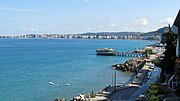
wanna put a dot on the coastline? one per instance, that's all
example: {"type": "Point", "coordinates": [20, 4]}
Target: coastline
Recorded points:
{"type": "Point", "coordinates": [133, 85]}
{"type": "Point", "coordinates": [140, 81]}
{"type": "Point", "coordinates": [38, 50]}
{"type": "Point", "coordinates": [108, 90]}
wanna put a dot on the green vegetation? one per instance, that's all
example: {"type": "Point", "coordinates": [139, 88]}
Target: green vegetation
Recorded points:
{"type": "Point", "coordinates": [148, 51]}
{"type": "Point", "coordinates": [157, 62]}
{"type": "Point", "coordinates": [152, 98]}
{"type": "Point", "coordinates": [153, 93]}
{"type": "Point", "coordinates": [168, 63]}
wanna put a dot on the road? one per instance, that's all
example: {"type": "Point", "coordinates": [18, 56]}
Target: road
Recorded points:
{"type": "Point", "coordinates": [122, 94]}
{"type": "Point", "coordinates": [132, 92]}
{"type": "Point", "coordinates": [154, 77]}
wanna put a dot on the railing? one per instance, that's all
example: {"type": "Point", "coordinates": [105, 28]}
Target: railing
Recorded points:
{"type": "Point", "coordinates": [129, 54]}
{"type": "Point", "coordinates": [173, 82]}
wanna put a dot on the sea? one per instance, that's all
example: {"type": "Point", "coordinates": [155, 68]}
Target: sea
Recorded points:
{"type": "Point", "coordinates": [28, 65]}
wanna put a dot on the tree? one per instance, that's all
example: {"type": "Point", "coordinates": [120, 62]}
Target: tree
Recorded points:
{"type": "Point", "coordinates": [148, 51]}
{"type": "Point", "coordinates": [157, 62]}
{"type": "Point", "coordinates": [168, 63]}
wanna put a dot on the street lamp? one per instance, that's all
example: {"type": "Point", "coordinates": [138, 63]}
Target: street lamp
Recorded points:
{"type": "Point", "coordinates": [115, 80]}
{"type": "Point", "coordinates": [58, 86]}
{"type": "Point", "coordinates": [114, 77]}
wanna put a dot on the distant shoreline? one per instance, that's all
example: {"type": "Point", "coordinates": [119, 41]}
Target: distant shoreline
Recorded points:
{"type": "Point", "coordinates": [153, 35]}
{"type": "Point", "coordinates": [78, 39]}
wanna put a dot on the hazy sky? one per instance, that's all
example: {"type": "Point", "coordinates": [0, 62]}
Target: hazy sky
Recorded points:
{"type": "Point", "coordinates": [19, 17]}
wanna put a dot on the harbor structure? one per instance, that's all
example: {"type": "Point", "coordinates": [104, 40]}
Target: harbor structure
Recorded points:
{"type": "Point", "coordinates": [106, 51]}
{"type": "Point", "coordinates": [113, 52]}
{"type": "Point", "coordinates": [129, 54]}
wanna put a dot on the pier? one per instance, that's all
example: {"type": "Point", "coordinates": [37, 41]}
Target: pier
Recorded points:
{"type": "Point", "coordinates": [113, 52]}
{"type": "Point", "coordinates": [129, 54]}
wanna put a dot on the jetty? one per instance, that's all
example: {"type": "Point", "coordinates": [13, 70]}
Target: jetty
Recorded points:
{"type": "Point", "coordinates": [130, 54]}
{"type": "Point", "coordinates": [113, 52]}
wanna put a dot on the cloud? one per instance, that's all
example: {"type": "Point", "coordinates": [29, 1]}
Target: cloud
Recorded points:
{"type": "Point", "coordinates": [32, 29]}
{"type": "Point", "coordinates": [112, 25]}
{"type": "Point", "coordinates": [19, 9]}
{"type": "Point", "coordinates": [87, 1]}
{"type": "Point", "coordinates": [88, 29]}
{"type": "Point", "coordinates": [29, 29]}
{"type": "Point", "coordinates": [167, 20]}
{"type": "Point", "coordinates": [142, 22]}
{"type": "Point", "coordinates": [128, 28]}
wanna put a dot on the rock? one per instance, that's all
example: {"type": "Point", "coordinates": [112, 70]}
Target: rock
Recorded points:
{"type": "Point", "coordinates": [131, 65]}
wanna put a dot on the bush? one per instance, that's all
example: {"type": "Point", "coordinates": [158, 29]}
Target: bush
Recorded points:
{"type": "Point", "coordinates": [157, 62]}
{"type": "Point", "coordinates": [147, 52]}
{"type": "Point", "coordinates": [153, 98]}
{"type": "Point", "coordinates": [152, 92]}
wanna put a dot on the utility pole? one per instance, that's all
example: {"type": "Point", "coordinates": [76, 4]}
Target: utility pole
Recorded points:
{"type": "Point", "coordinates": [114, 80]}
{"type": "Point", "coordinates": [112, 77]}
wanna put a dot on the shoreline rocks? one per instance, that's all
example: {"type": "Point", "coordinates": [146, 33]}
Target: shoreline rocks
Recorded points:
{"type": "Point", "coordinates": [131, 65]}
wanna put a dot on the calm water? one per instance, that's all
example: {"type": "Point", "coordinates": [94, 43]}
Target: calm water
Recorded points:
{"type": "Point", "coordinates": [27, 65]}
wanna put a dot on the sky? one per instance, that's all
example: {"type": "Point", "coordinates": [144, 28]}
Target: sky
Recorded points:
{"type": "Point", "coordinates": [20, 17]}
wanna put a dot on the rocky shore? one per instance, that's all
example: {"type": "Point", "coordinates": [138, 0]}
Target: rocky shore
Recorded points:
{"type": "Point", "coordinates": [131, 65]}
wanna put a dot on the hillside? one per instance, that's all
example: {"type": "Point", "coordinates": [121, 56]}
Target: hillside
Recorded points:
{"type": "Point", "coordinates": [113, 33]}
{"type": "Point", "coordinates": [152, 33]}
{"type": "Point", "coordinates": [155, 33]}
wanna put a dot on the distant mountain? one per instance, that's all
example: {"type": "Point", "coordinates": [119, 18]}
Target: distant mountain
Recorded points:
{"type": "Point", "coordinates": [152, 33]}
{"type": "Point", "coordinates": [155, 33]}
{"type": "Point", "coordinates": [112, 33]}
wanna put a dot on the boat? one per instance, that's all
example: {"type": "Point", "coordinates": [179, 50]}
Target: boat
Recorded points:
{"type": "Point", "coordinates": [105, 51]}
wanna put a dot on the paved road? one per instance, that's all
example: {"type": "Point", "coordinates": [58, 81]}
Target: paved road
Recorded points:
{"type": "Point", "coordinates": [123, 94]}
{"type": "Point", "coordinates": [155, 73]}
{"type": "Point", "coordinates": [131, 93]}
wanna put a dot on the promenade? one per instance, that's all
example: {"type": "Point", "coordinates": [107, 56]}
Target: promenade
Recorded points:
{"type": "Point", "coordinates": [138, 84]}
{"type": "Point", "coordinates": [137, 87]}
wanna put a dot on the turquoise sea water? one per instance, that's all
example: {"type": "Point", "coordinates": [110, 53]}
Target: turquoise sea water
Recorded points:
{"type": "Point", "coordinates": [27, 65]}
